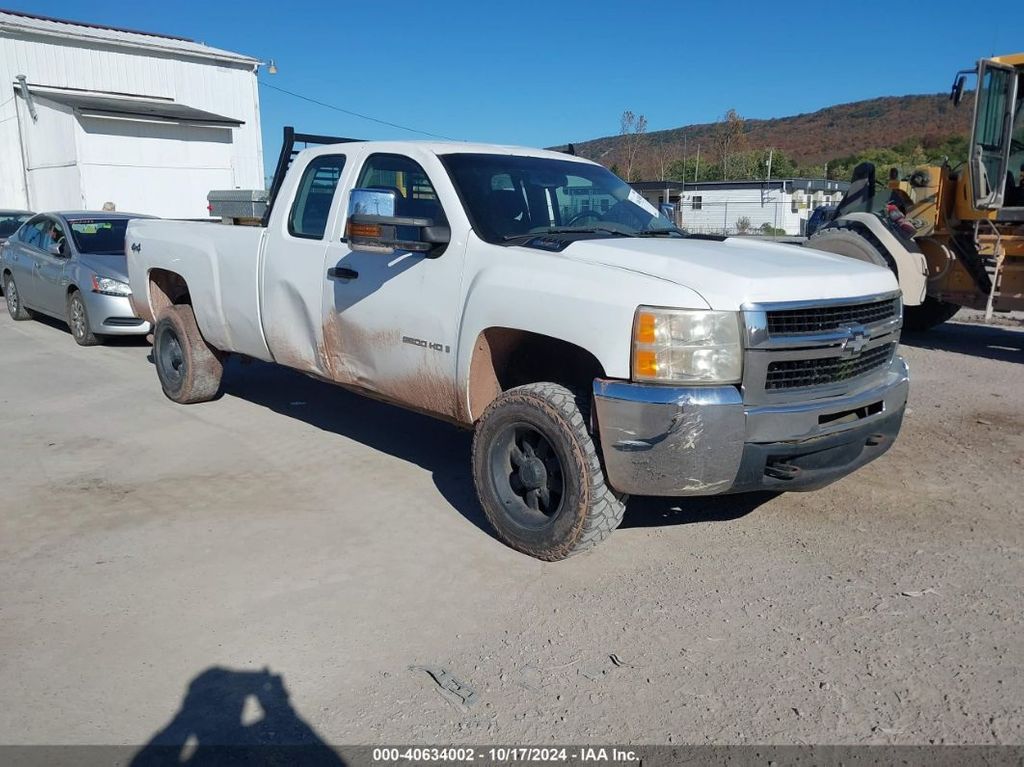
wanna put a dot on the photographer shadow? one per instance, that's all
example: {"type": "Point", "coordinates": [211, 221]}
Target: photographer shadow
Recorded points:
{"type": "Point", "coordinates": [236, 717]}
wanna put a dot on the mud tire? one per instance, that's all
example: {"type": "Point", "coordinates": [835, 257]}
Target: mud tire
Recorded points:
{"type": "Point", "coordinates": [189, 369]}
{"type": "Point", "coordinates": [588, 511]}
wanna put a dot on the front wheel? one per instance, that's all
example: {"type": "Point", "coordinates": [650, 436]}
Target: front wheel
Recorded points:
{"type": "Point", "coordinates": [189, 369]}
{"type": "Point", "coordinates": [78, 321]}
{"type": "Point", "coordinates": [538, 475]}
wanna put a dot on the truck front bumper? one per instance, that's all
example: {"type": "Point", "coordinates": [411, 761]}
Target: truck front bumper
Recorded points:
{"type": "Point", "coordinates": [699, 440]}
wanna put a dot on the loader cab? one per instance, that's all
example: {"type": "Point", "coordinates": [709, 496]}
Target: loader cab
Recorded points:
{"type": "Point", "coordinates": [995, 174]}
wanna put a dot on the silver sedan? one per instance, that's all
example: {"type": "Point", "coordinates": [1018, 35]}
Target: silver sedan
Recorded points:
{"type": "Point", "coordinates": [72, 266]}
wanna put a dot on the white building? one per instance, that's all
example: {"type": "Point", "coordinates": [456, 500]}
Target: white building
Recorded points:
{"type": "Point", "coordinates": [96, 114]}
{"type": "Point", "coordinates": [731, 207]}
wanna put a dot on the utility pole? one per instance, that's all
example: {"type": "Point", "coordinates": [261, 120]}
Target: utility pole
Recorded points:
{"type": "Point", "coordinates": [696, 168]}
{"type": "Point", "coordinates": [684, 172]}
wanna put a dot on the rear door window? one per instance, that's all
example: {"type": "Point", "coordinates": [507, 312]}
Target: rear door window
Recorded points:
{"type": "Point", "coordinates": [36, 232]}
{"type": "Point", "coordinates": [312, 205]}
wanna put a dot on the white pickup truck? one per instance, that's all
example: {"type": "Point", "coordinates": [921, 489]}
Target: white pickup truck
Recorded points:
{"type": "Point", "coordinates": [596, 350]}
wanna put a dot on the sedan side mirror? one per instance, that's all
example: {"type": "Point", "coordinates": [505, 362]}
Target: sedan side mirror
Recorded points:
{"type": "Point", "coordinates": [372, 226]}
{"type": "Point", "coordinates": [55, 249]}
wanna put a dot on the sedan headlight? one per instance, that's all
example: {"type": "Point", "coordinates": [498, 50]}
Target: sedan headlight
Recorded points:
{"type": "Point", "coordinates": [110, 287]}
{"type": "Point", "coordinates": [686, 346]}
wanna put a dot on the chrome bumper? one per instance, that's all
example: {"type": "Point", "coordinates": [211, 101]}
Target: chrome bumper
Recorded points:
{"type": "Point", "coordinates": [698, 440]}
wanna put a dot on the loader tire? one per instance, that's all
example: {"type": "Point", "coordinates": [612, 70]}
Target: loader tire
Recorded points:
{"type": "Point", "coordinates": [538, 474]}
{"type": "Point", "coordinates": [929, 314]}
{"type": "Point", "coordinates": [189, 369]}
{"type": "Point", "coordinates": [847, 242]}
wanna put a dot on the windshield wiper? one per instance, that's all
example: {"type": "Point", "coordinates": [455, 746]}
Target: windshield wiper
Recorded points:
{"type": "Point", "coordinates": [660, 232]}
{"type": "Point", "coordinates": [569, 230]}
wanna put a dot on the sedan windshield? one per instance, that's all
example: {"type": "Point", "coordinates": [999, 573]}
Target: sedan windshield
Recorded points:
{"type": "Point", "coordinates": [99, 236]}
{"type": "Point", "coordinates": [510, 198]}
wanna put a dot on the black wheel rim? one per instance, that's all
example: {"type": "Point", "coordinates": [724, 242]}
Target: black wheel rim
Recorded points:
{"type": "Point", "coordinates": [77, 318]}
{"type": "Point", "coordinates": [11, 290]}
{"type": "Point", "coordinates": [527, 474]}
{"type": "Point", "coordinates": [170, 359]}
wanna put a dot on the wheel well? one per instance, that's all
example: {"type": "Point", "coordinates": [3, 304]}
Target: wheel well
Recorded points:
{"type": "Point", "coordinates": [166, 289]}
{"type": "Point", "coordinates": [504, 358]}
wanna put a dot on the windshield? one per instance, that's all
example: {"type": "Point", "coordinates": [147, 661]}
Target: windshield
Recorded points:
{"type": "Point", "coordinates": [99, 236]}
{"type": "Point", "coordinates": [509, 198]}
{"type": "Point", "coordinates": [9, 223]}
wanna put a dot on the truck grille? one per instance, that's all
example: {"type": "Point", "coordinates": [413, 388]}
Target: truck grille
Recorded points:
{"type": "Point", "coordinates": [825, 318]}
{"type": "Point", "coordinates": [797, 374]}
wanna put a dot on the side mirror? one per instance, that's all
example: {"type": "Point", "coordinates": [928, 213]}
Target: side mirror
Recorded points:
{"type": "Point", "coordinates": [957, 93]}
{"type": "Point", "coordinates": [372, 225]}
{"type": "Point", "coordinates": [54, 249]}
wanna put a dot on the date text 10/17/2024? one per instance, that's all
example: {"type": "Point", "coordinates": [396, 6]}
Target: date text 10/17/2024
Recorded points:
{"type": "Point", "coordinates": [505, 754]}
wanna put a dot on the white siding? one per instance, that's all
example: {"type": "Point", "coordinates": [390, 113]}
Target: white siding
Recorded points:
{"type": "Point", "coordinates": [179, 162]}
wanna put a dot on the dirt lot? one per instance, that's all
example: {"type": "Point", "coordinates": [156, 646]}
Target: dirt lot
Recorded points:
{"type": "Point", "coordinates": [336, 542]}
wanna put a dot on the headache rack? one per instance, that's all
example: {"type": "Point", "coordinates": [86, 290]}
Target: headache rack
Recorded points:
{"type": "Point", "coordinates": [288, 152]}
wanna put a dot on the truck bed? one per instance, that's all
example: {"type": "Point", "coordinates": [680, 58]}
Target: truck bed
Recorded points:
{"type": "Point", "coordinates": [220, 264]}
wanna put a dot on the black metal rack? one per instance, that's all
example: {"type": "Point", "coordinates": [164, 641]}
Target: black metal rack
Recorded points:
{"type": "Point", "coordinates": [288, 152]}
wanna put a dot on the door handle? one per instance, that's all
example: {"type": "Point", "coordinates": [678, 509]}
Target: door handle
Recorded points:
{"type": "Point", "coordinates": [342, 273]}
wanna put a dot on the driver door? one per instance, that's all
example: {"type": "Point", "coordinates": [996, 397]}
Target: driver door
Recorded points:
{"type": "Point", "coordinates": [993, 123]}
{"type": "Point", "coordinates": [391, 319]}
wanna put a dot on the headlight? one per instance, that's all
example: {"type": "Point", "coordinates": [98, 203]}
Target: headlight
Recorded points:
{"type": "Point", "coordinates": [110, 287]}
{"type": "Point", "coordinates": [686, 346]}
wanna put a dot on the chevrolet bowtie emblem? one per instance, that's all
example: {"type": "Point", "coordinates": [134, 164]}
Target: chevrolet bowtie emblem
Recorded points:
{"type": "Point", "coordinates": [855, 341]}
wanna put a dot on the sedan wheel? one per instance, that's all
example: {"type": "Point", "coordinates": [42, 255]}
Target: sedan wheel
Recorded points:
{"type": "Point", "coordinates": [78, 321]}
{"type": "Point", "coordinates": [16, 309]}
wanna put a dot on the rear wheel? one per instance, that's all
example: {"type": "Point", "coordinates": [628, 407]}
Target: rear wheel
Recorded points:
{"type": "Point", "coordinates": [189, 369]}
{"type": "Point", "coordinates": [15, 307]}
{"type": "Point", "coordinates": [929, 314]}
{"type": "Point", "coordinates": [538, 475]}
{"type": "Point", "coordinates": [78, 321]}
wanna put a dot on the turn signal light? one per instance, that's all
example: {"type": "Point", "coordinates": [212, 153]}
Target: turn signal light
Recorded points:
{"type": "Point", "coordinates": [367, 231]}
{"type": "Point", "coordinates": [645, 364]}
{"type": "Point", "coordinates": [646, 324]}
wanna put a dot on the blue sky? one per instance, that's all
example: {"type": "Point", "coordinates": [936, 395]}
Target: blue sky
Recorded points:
{"type": "Point", "coordinates": [543, 73]}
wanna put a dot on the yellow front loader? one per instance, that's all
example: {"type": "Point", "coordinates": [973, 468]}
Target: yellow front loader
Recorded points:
{"type": "Point", "coordinates": [954, 236]}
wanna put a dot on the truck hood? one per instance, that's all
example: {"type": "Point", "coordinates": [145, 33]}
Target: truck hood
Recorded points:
{"type": "Point", "coordinates": [737, 271]}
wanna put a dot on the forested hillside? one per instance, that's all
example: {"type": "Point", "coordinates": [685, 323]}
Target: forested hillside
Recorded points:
{"type": "Point", "coordinates": [893, 130]}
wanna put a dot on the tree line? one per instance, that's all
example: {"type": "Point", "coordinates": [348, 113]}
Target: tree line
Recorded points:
{"type": "Point", "coordinates": [726, 154]}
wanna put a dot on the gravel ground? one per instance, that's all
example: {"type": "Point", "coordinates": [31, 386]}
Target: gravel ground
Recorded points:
{"type": "Point", "coordinates": [336, 542]}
